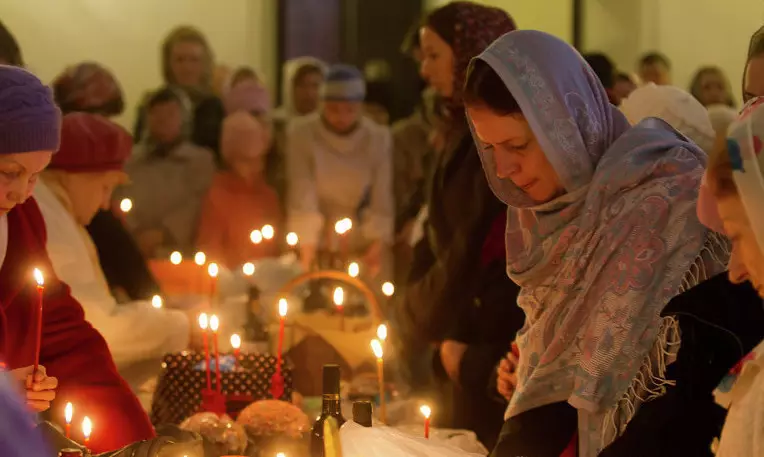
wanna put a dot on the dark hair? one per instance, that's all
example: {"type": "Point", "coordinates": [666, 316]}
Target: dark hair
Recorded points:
{"type": "Point", "coordinates": [484, 87]}
{"type": "Point", "coordinates": [695, 84]}
{"type": "Point", "coordinates": [305, 70]}
{"type": "Point", "coordinates": [9, 48]}
{"type": "Point", "coordinates": [755, 49]}
{"type": "Point", "coordinates": [653, 58]}
{"type": "Point", "coordinates": [161, 97]}
{"type": "Point", "coordinates": [603, 67]}
{"type": "Point", "coordinates": [411, 41]}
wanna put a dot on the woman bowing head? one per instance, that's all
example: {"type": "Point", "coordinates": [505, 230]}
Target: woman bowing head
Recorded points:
{"type": "Point", "coordinates": [601, 230]}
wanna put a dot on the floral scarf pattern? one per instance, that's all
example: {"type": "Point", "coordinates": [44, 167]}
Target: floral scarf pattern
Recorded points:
{"type": "Point", "coordinates": [599, 263]}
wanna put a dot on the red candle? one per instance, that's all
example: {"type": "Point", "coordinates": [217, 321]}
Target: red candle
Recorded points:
{"type": "Point", "coordinates": [283, 305]}
{"type": "Point", "coordinates": [203, 323]}
{"type": "Point", "coordinates": [339, 301]}
{"type": "Point", "coordinates": [214, 324]}
{"type": "Point", "coordinates": [236, 344]}
{"type": "Point", "coordinates": [68, 415]}
{"type": "Point", "coordinates": [38, 331]}
{"type": "Point", "coordinates": [426, 412]}
{"type": "Point", "coordinates": [87, 429]}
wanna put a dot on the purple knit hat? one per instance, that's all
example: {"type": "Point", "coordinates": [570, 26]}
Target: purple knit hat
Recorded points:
{"type": "Point", "coordinates": [29, 118]}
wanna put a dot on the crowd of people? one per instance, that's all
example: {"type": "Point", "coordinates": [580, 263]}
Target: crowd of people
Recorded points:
{"type": "Point", "coordinates": [574, 246]}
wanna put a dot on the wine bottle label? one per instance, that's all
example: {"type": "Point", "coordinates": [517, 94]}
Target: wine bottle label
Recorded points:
{"type": "Point", "coordinates": [331, 397]}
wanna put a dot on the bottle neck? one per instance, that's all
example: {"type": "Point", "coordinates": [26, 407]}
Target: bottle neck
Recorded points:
{"type": "Point", "coordinates": [330, 405]}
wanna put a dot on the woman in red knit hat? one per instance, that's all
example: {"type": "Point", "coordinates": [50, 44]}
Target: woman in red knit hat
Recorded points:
{"type": "Point", "coordinates": [78, 182]}
{"type": "Point", "coordinates": [72, 350]}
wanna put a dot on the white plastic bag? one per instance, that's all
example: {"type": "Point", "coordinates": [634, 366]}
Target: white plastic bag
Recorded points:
{"type": "Point", "coordinates": [360, 441]}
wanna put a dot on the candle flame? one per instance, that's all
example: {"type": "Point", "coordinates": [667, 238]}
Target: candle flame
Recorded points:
{"type": "Point", "coordinates": [388, 289]}
{"type": "Point", "coordinates": [256, 236]}
{"type": "Point", "coordinates": [235, 341]}
{"type": "Point", "coordinates": [268, 232]}
{"type": "Point", "coordinates": [426, 411]}
{"type": "Point", "coordinates": [348, 224]}
{"type": "Point", "coordinates": [339, 296]}
{"type": "Point", "coordinates": [343, 226]}
{"type": "Point", "coordinates": [376, 347]}
{"type": "Point", "coordinates": [68, 412]}
{"type": "Point", "coordinates": [382, 332]}
{"type": "Point", "coordinates": [203, 321]}
{"type": "Point", "coordinates": [126, 205]}
{"type": "Point", "coordinates": [248, 269]}
{"type": "Point", "coordinates": [176, 258]}
{"type": "Point", "coordinates": [292, 239]}
{"type": "Point", "coordinates": [354, 270]}
{"type": "Point", "coordinates": [280, 454]}
{"type": "Point", "coordinates": [156, 301]}
{"type": "Point", "coordinates": [214, 323]}
{"type": "Point", "coordinates": [87, 427]}
{"type": "Point", "coordinates": [200, 259]}
{"type": "Point", "coordinates": [38, 277]}
{"type": "Point", "coordinates": [283, 305]}
{"type": "Point", "coordinates": [213, 270]}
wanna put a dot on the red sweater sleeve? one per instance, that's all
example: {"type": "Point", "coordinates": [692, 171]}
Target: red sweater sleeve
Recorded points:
{"type": "Point", "coordinates": [72, 350]}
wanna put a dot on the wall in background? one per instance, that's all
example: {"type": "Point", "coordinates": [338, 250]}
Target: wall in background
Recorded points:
{"type": "Point", "coordinates": [125, 36]}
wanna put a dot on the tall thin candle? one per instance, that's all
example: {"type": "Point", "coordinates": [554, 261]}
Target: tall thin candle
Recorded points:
{"type": "Point", "coordinates": [283, 306]}
{"type": "Point", "coordinates": [426, 412]}
{"type": "Point", "coordinates": [339, 302]}
{"type": "Point", "coordinates": [204, 324]}
{"type": "Point", "coordinates": [87, 429]}
{"type": "Point", "coordinates": [376, 347]}
{"type": "Point", "coordinates": [38, 330]}
{"type": "Point", "coordinates": [214, 324]}
{"type": "Point", "coordinates": [68, 416]}
{"type": "Point", "coordinates": [213, 270]}
{"type": "Point", "coordinates": [200, 259]}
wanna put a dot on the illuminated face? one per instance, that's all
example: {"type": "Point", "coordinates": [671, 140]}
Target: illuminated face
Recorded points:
{"type": "Point", "coordinates": [18, 175]}
{"type": "Point", "coordinates": [747, 260]}
{"type": "Point", "coordinates": [754, 78]}
{"type": "Point", "coordinates": [517, 155]}
{"type": "Point", "coordinates": [712, 89]}
{"type": "Point", "coordinates": [342, 116]}
{"type": "Point", "coordinates": [187, 63]}
{"type": "Point", "coordinates": [90, 192]}
{"type": "Point", "coordinates": [437, 64]}
{"type": "Point", "coordinates": [306, 92]}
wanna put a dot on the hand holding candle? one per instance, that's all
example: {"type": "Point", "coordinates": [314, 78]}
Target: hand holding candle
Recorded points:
{"type": "Point", "coordinates": [68, 416]}
{"type": "Point", "coordinates": [339, 301]}
{"type": "Point", "coordinates": [204, 324]}
{"type": "Point", "coordinates": [214, 325]}
{"type": "Point", "coordinates": [87, 429]}
{"type": "Point", "coordinates": [376, 347]}
{"type": "Point", "coordinates": [277, 381]}
{"type": "Point", "coordinates": [426, 412]}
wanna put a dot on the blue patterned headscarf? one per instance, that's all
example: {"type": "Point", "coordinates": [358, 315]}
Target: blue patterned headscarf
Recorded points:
{"type": "Point", "coordinates": [597, 264]}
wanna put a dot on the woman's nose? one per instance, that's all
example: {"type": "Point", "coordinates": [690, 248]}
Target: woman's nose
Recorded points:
{"type": "Point", "coordinates": [506, 165]}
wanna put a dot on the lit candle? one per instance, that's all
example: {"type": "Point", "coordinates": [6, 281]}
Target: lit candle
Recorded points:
{"type": "Point", "coordinates": [388, 289]}
{"type": "Point", "coordinates": [38, 341]}
{"type": "Point", "coordinates": [342, 227]}
{"type": "Point", "coordinates": [200, 259]}
{"type": "Point", "coordinates": [339, 301]}
{"type": "Point", "coordinates": [376, 347]}
{"type": "Point", "coordinates": [156, 301]}
{"type": "Point", "coordinates": [280, 454]}
{"type": "Point", "coordinates": [176, 258]}
{"type": "Point", "coordinates": [354, 270]}
{"type": "Point", "coordinates": [426, 412]}
{"type": "Point", "coordinates": [214, 325]}
{"type": "Point", "coordinates": [283, 306]}
{"type": "Point", "coordinates": [126, 205]}
{"type": "Point", "coordinates": [256, 236]}
{"type": "Point", "coordinates": [292, 239]}
{"type": "Point", "coordinates": [248, 269]}
{"type": "Point", "coordinates": [213, 270]}
{"type": "Point", "coordinates": [87, 429]}
{"type": "Point", "coordinates": [268, 232]}
{"type": "Point", "coordinates": [68, 415]}
{"type": "Point", "coordinates": [203, 323]}
{"type": "Point", "coordinates": [382, 332]}
{"type": "Point", "coordinates": [236, 345]}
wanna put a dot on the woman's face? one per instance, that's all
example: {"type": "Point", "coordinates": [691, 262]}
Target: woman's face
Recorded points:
{"type": "Point", "coordinates": [517, 155]}
{"type": "Point", "coordinates": [90, 192]}
{"type": "Point", "coordinates": [754, 78]}
{"type": "Point", "coordinates": [18, 175]}
{"type": "Point", "coordinates": [437, 62]}
{"type": "Point", "coordinates": [307, 88]}
{"type": "Point", "coordinates": [187, 63]}
{"type": "Point", "coordinates": [342, 116]}
{"type": "Point", "coordinates": [712, 89]}
{"type": "Point", "coordinates": [747, 260]}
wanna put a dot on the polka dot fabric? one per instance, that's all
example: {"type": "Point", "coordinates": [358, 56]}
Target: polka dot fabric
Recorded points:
{"type": "Point", "coordinates": [179, 391]}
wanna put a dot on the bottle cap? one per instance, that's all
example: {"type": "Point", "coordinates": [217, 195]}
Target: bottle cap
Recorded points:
{"type": "Point", "coordinates": [331, 379]}
{"type": "Point", "coordinates": [362, 413]}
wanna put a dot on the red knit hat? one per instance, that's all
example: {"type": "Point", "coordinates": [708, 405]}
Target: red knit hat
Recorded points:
{"type": "Point", "coordinates": [91, 143]}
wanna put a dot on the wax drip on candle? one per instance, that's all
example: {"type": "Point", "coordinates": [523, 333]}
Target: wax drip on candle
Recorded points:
{"type": "Point", "coordinates": [354, 270]}
{"type": "Point", "coordinates": [248, 269]}
{"type": "Point", "coordinates": [176, 258]}
{"type": "Point", "coordinates": [126, 205]}
{"type": "Point", "coordinates": [256, 236]}
{"type": "Point", "coordinates": [156, 301]}
{"type": "Point", "coordinates": [268, 232]}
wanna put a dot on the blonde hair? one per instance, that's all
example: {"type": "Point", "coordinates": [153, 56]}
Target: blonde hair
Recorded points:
{"type": "Point", "coordinates": [188, 34]}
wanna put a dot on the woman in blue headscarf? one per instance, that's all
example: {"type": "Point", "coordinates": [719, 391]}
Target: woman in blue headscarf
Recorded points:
{"type": "Point", "coordinates": [601, 231]}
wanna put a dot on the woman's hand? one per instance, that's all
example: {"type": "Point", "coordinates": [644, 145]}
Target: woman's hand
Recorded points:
{"type": "Point", "coordinates": [507, 377]}
{"type": "Point", "coordinates": [40, 392]}
{"type": "Point", "coordinates": [451, 353]}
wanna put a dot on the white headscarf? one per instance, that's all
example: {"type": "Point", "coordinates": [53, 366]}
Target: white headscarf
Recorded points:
{"type": "Point", "coordinates": [675, 106]}
{"type": "Point", "coordinates": [290, 70]}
